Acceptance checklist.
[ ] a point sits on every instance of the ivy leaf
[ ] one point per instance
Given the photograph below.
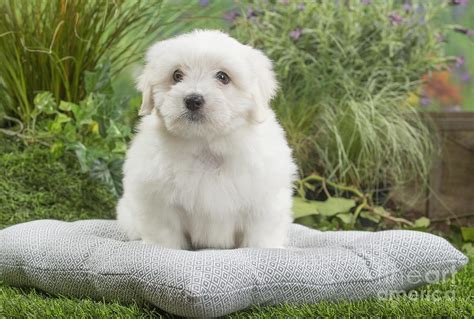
(69, 132)
(113, 131)
(422, 222)
(57, 149)
(94, 127)
(110, 173)
(57, 125)
(308, 221)
(119, 147)
(302, 207)
(346, 218)
(45, 103)
(369, 216)
(81, 154)
(467, 233)
(67, 106)
(331, 207)
(335, 205)
(85, 111)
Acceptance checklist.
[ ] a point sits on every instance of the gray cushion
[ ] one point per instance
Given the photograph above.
(93, 258)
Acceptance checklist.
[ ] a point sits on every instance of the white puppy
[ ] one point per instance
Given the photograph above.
(209, 166)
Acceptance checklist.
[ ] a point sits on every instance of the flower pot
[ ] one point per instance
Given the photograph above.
(451, 181)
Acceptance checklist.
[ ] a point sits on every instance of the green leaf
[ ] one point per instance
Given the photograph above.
(422, 222)
(55, 128)
(67, 106)
(69, 132)
(335, 205)
(113, 131)
(120, 147)
(57, 149)
(302, 207)
(308, 221)
(45, 103)
(467, 233)
(85, 111)
(330, 207)
(62, 118)
(110, 173)
(346, 218)
(81, 154)
(370, 216)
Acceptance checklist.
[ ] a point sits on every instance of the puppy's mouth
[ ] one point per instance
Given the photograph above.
(194, 116)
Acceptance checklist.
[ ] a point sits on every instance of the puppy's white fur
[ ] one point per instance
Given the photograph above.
(223, 180)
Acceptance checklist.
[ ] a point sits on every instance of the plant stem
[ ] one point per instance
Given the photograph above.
(334, 185)
(361, 197)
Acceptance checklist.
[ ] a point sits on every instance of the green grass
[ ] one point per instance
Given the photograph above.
(33, 185)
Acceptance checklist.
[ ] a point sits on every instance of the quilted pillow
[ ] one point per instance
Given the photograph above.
(93, 258)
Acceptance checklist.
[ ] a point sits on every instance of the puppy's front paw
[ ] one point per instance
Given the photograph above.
(265, 235)
(263, 242)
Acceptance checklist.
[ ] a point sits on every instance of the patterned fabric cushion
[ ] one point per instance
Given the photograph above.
(93, 258)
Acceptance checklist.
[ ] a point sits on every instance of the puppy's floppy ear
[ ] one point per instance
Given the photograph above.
(265, 84)
(144, 86)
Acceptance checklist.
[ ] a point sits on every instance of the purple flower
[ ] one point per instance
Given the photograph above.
(395, 18)
(460, 61)
(470, 33)
(425, 101)
(301, 6)
(459, 2)
(251, 12)
(231, 15)
(465, 77)
(366, 2)
(296, 33)
(203, 3)
(407, 7)
(284, 1)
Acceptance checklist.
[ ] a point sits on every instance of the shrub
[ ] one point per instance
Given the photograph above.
(58, 58)
(97, 129)
(346, 69)
(48, 45)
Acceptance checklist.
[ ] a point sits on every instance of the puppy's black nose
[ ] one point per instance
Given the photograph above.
(194, 102)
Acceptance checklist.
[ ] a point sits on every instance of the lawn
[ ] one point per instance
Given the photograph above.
(35, 185)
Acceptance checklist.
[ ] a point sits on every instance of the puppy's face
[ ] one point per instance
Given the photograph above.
(205, 84)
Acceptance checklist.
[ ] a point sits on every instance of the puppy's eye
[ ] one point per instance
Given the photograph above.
(223, 77)
(178, 76)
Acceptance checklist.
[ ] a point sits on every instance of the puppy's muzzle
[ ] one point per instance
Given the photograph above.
(194, 102)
